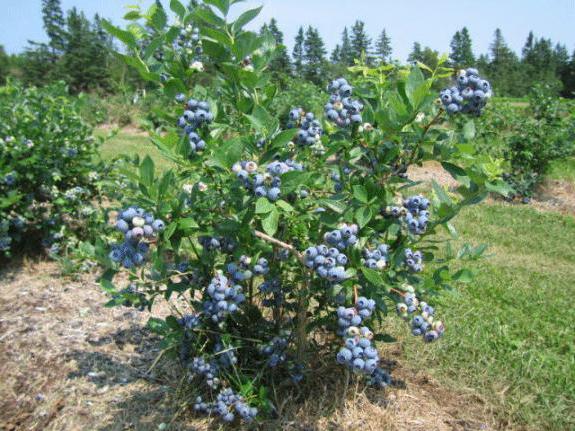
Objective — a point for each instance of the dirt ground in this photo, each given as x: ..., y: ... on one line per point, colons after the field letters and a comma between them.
x: 552, y: 195
x: 67, y: 363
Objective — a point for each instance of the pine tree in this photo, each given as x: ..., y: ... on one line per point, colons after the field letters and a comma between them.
x: 461, y: 50
x: 54, y: 24
x: 568, y: 79
x: 383, y: 47
x: 85, y: 61
x: 528, y: 46
x: 503, y: 69
x: 360, y: 42
x: 427, y: 56
x: 4, y: 65
x: 298, y: 53
x: 346, y: 54
x: 281, y: 61
x: 314, y: 55
x: 335, y: 57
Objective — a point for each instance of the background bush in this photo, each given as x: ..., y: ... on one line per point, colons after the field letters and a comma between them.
x: 48, y: 173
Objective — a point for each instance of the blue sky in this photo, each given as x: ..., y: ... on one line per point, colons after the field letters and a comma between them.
x: 431, y: 22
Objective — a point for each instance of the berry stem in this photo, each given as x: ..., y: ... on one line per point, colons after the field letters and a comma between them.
x: 281, y: 244
x: 398, y: 292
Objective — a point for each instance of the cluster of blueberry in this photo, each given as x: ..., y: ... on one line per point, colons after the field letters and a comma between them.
x: 380, y: 378
x: 358, y: 354
x: 417, y: 215
x: 336, y: 178
x: 226, y: 406
x: 262, y: 266
x: 470, y: 94
x: 208, y: 370
x: 354, y: 316
x: 189, y: 40
x: 268, y: 184
x: 10, y: 179
x: 342, y: 238
x: 189, y: 321
x: 221, y: 243
x: 341, y: 108
x: 327, y: 262
x: 226, y: 355
x: 75, y: 193
x: 413, y: 260
x: 275, y: 351
x: 197, y: 113
x: 240, y: 271
x: 222, y: 298
x: 310, y: 130
x: 136, y: 225
x: 422, y: 324
x: 376, y: 258
x: 5, y: 239
x: 272, y: 286
x: 296, y: 372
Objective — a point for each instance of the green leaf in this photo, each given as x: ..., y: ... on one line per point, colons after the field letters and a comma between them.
x: 158, y: 17
x: 170, y: 230
x: 187, y: 224
x: 291, y: 180
x: 283, y: 138
x: 270, y: 223
x: 463, y: 276
x: 245, y: 18
x: 363, y: 215
x: 147, y: 171
x: 264, y: 206
x: 132, y: 15
x: 178, y: 8
x: 222, y: 5
x: 360, y: 193
x: 157, y: 326
x: 285, y: 206
x: 124, y: 36
x: 469, y: 130
x: 373, y: 276
x: 441, y: 194
x: 336, y: 206
x: 457, y: 172
x: 262, y: 121
x: 228, y: 153
x: 206, y: 15
x: 173, y: 87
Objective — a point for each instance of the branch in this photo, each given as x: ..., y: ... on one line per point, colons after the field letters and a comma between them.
x: 281, y: 244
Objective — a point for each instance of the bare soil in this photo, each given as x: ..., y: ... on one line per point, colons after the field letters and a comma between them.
x: 68, y: 363
x: 552, y: 195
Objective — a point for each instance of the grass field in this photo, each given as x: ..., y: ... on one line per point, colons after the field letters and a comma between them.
x: 510, y: 333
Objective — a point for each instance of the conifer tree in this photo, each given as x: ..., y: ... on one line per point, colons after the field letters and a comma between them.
x: 314, y: 56
x: 346, y: 54
x: 298, y: 52
x: 360, y: 42
x: 54, y: 24
x: 281, y: 62
x: 383, y: 47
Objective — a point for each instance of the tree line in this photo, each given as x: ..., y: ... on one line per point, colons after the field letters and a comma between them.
x: 78, y: 52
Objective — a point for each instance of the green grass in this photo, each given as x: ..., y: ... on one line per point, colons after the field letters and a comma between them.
x: 511, y: 331
x: 563, y: 170
x: 131, y: 145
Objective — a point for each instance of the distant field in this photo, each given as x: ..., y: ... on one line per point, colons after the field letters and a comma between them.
x: 125, y: 143
x: 563, y: 170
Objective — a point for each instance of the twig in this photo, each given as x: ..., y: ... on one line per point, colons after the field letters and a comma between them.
x: 399, y: 292
x: 281, y: 244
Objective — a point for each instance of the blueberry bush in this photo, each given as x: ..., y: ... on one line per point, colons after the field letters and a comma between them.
x: 290, y: 239
x: 48, y: 174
